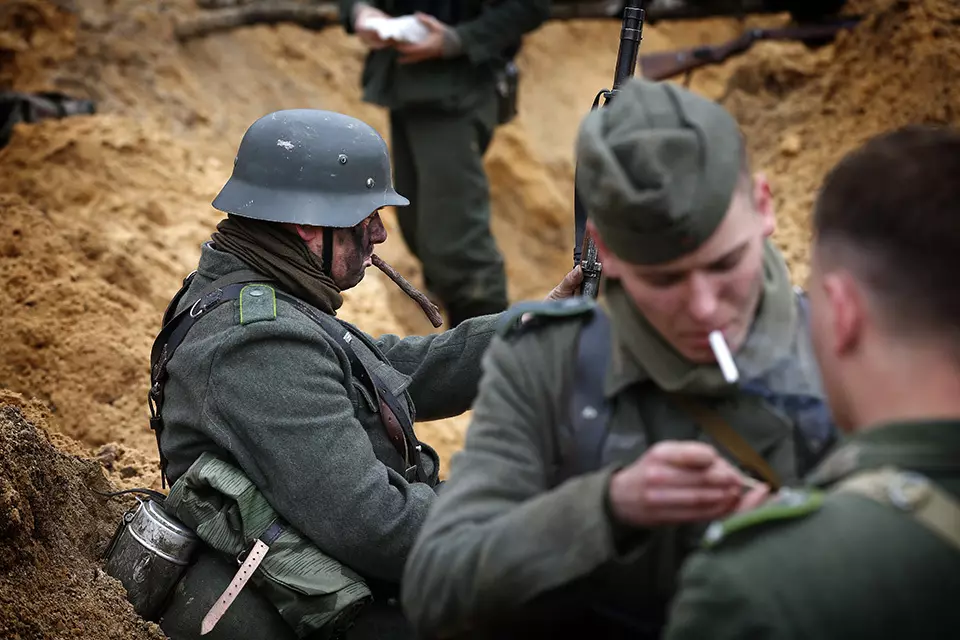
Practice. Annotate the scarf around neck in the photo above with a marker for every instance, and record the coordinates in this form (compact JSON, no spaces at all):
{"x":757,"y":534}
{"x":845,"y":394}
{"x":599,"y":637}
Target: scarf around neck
{"x":644,"y":354}
{"x":272,"y":250}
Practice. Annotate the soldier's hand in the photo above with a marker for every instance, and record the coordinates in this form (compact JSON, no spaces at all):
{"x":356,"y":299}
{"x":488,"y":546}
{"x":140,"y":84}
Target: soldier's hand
{"x":568,"y":286}
{"x":441,"y":41}
{"x":675,"y":482}
{"x":755,"y":497}
{"x":367,"y":36}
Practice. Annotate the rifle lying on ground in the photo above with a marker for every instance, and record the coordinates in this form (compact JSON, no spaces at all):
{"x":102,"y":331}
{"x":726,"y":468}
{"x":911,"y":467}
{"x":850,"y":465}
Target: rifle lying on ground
{"x":660,"y":66}
{"x":584,"y":249}
{"x":33,"y":107}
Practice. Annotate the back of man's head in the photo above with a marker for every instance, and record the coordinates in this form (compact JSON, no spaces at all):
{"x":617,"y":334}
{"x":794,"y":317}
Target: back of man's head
{"x":889,"y":214}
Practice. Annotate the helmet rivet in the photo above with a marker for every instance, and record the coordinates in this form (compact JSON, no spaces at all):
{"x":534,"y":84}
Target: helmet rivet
{"x":343,"y":158}
{"x":370,"y":183}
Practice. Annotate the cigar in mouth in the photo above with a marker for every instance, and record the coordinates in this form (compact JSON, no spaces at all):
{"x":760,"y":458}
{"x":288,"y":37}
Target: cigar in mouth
{"x":430,"y":309}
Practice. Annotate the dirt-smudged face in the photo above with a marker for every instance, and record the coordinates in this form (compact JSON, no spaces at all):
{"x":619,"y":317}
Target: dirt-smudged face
{"x":352,"y":248}
{"x":718,"y":286}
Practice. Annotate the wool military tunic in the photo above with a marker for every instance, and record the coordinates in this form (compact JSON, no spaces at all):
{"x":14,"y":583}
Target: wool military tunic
{"x":275,"y":393}
{"x":505,"y":551}
{"x":842,"y":566}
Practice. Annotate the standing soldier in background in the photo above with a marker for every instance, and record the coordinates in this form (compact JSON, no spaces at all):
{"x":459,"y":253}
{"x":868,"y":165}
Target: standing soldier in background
{"x":603,"y":439}
{"x":873,"y":549}
{"x":443,"y":101}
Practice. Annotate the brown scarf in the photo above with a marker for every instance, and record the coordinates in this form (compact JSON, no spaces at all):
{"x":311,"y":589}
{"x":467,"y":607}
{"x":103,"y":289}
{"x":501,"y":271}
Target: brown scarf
{"x":274,"y":251}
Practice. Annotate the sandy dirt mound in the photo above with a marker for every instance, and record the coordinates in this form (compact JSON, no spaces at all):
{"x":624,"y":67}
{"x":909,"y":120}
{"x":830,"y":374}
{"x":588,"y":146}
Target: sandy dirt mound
{"x":803,"y":111}
{"x":53,"y":526}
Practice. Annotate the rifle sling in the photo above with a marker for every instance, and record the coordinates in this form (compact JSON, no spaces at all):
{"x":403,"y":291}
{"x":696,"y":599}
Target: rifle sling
{"x":590,"y":412}
{"x":727,"y":437}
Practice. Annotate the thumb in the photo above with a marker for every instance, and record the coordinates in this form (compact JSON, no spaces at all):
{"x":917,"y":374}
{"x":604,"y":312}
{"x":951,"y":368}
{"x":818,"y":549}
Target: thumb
{"x":429,"y":21}
{"x":753,"y":498}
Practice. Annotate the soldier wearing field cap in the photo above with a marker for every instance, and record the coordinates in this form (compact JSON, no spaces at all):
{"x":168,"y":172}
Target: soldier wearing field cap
{"x":605,"y":436}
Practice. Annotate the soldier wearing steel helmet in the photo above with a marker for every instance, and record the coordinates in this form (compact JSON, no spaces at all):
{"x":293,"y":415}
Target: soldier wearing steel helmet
{"x":314,"y":412}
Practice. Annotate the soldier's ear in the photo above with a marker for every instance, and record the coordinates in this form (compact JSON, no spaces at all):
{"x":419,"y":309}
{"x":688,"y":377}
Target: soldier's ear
{"x":763,"y":201}
{"x":307,"y":233}
{"x":848,"y":310}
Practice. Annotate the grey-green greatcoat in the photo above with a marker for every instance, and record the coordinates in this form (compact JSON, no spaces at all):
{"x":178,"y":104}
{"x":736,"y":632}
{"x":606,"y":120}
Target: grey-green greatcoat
{"x":442,"y":118}
{"x":852,"y":568}
{"x":277,"y":397}
{"x":506,"y":553}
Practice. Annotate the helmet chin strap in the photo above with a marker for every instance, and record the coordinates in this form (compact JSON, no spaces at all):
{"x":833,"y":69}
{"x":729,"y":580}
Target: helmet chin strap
{"x":327,"y":258}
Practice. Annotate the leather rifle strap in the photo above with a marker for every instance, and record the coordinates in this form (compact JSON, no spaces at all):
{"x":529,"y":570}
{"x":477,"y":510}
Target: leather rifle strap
{"x":394,"y":431}
{"x":724,"y":434}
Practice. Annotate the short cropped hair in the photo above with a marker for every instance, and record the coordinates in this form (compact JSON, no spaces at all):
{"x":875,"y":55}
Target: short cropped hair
{"x":890,"y":213}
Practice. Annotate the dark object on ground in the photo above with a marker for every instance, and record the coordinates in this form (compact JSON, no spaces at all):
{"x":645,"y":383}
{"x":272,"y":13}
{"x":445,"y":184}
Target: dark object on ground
{"x":34,"y":107}
{"x":660,"y":66}
{"x":657,"y":10}
{"x":309,"y":16}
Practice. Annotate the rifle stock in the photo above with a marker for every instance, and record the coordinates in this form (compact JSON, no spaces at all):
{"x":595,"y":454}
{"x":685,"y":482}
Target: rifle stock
{"x":585,"y":250}
{"x":660,"y":66}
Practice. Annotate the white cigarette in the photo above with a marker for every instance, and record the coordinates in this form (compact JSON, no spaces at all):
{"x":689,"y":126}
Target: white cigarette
{"x":725,"y":360}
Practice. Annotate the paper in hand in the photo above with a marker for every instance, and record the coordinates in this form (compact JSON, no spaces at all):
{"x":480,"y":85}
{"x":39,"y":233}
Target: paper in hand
{"x":401,"y":29}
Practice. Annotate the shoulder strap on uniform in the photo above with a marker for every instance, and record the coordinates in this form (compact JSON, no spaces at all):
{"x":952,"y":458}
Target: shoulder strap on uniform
{"x":789,"y":504}
{"x":589,"y":408}
{"x":725,"y":435}
{"x":913,"y":494}
{"x":174,"y":329}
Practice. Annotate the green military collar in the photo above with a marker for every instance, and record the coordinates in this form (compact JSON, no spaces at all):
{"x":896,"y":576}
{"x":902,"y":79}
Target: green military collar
{"x":926,"y":446}
{"x":641,"y":353}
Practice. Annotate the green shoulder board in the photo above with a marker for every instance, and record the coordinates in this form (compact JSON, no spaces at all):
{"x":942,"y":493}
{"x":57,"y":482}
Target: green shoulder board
{"x":257,"y":302}
{"x":789,"y":504}
{"x":509,"y":324}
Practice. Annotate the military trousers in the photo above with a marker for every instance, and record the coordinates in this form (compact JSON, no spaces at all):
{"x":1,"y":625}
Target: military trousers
{"x":438,"y":166}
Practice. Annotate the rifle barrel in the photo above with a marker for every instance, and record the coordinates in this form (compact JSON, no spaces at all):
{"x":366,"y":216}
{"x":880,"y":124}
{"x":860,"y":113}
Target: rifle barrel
{"x":585,"y":250}
{"x":631,"y":32}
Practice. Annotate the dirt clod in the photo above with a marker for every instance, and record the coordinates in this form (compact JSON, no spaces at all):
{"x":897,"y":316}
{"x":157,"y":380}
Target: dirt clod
{"x":52,"y":527}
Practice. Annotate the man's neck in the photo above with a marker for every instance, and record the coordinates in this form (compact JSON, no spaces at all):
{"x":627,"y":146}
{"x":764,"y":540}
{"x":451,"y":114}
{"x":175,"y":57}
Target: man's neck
{"x":915,"y":384}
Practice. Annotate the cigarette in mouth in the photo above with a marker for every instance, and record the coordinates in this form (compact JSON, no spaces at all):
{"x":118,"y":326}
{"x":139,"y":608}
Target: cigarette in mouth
{"x":724,"y":358}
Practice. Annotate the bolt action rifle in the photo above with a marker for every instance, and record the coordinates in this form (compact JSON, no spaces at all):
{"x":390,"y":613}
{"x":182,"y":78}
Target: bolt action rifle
{"x":660,"y":66}
{"x":584,"y":249}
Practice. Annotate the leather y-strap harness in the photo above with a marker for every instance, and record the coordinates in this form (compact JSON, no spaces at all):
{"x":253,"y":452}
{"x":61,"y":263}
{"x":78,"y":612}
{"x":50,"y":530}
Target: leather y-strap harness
{"x":175,"y":327}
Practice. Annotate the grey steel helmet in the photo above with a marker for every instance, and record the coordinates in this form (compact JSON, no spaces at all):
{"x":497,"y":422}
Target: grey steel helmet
{"x":308,"y":166}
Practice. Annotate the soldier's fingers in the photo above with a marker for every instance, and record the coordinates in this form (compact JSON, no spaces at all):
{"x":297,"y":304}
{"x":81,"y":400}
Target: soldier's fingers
{"x":722,"y":473}
{"x":681,"y":497}
{"x":688,"y":454}
{"x":667,"y":475}
{"x":692,"y":514}
{"x":753,"y":498}
{"x":574,"y":277}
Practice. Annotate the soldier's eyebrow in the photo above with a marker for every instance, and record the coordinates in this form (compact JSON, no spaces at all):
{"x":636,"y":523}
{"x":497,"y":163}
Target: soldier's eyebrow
{"x":726,"y":261}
